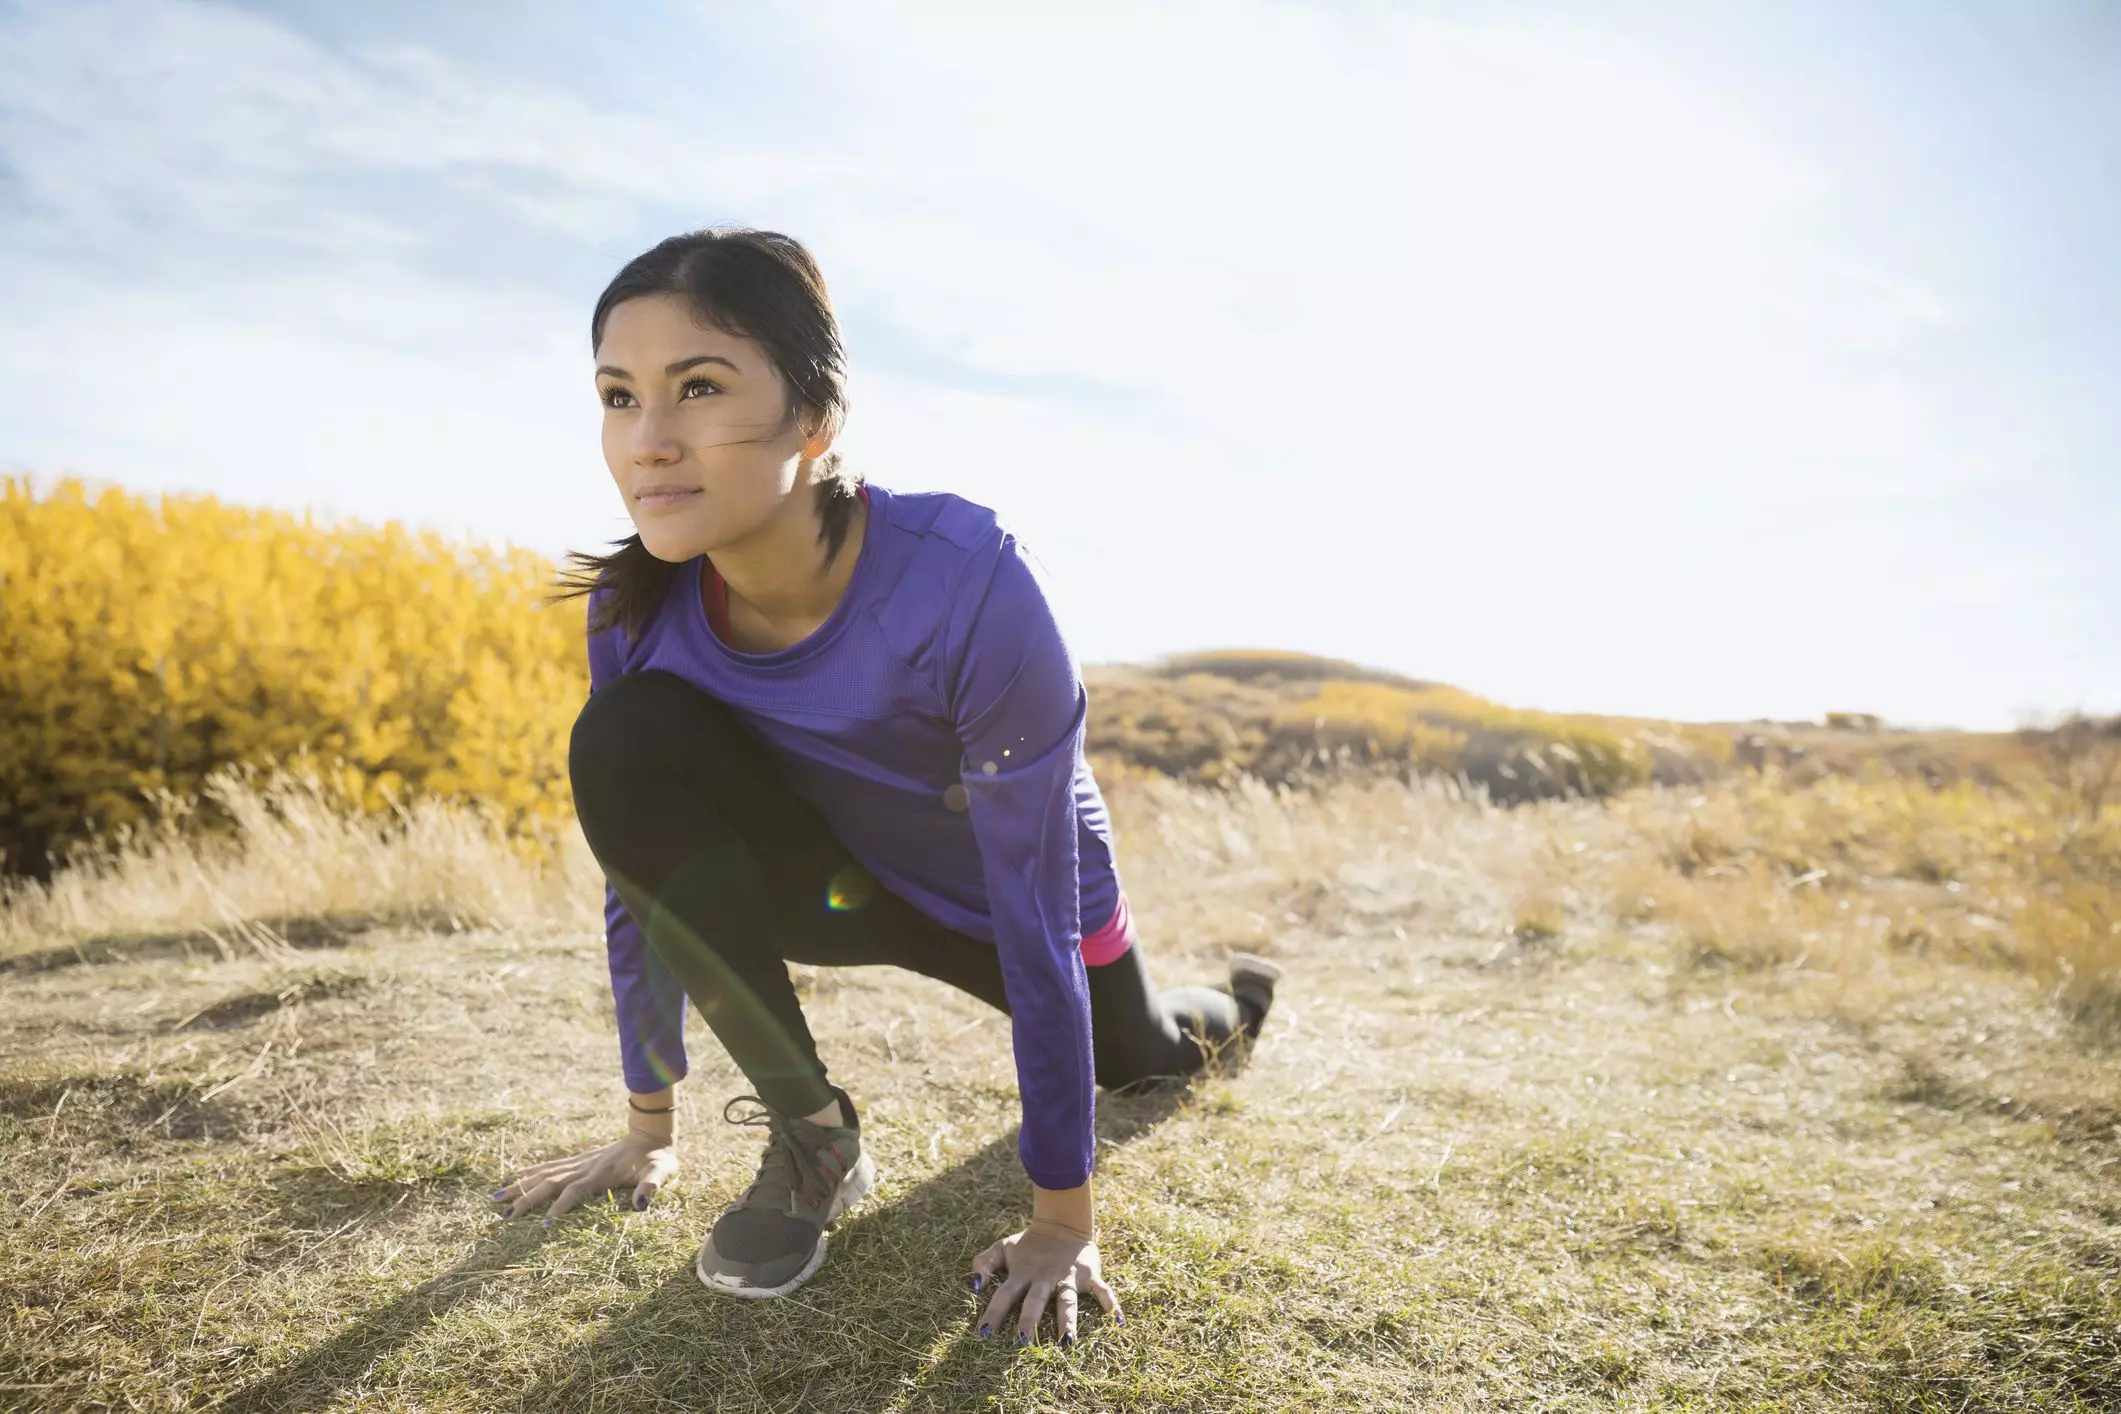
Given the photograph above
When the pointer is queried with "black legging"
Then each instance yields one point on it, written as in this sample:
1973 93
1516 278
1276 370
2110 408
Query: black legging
724 868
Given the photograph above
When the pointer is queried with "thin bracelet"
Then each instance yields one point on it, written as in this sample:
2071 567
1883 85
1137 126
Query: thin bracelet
652 1109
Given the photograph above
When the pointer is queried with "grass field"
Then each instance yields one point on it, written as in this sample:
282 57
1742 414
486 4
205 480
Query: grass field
1632 1106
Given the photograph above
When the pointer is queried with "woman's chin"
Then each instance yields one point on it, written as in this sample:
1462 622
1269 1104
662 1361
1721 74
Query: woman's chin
671 546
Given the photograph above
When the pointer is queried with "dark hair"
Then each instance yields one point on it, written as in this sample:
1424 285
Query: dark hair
759 285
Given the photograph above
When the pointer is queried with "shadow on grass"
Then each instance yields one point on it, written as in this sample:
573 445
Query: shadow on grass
891 1315
79 1107
297 930
247 1007
318 1375
891 1311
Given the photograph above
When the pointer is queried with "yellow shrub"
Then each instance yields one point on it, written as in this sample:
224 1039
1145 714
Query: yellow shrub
145 642
1376 719
1516 753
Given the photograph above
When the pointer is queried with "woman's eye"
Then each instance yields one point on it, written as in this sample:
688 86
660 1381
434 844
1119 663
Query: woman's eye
623 398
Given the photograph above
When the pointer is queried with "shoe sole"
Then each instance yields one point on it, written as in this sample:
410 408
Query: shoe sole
855 1187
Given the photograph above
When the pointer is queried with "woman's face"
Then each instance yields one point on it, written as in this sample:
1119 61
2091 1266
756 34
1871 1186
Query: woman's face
696 430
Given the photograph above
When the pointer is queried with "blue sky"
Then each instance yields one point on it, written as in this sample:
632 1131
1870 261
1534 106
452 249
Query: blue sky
1708 361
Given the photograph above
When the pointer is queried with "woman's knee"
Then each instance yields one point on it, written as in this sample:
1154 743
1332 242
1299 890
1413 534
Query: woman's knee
1150 1047
629 731
1169 1058
1140 1033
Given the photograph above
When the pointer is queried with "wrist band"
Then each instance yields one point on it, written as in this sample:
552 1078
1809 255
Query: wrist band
652 1109
1047 1227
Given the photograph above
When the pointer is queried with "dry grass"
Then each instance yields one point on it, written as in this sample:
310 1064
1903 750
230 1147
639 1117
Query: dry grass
296 860
1846 870
1715 1098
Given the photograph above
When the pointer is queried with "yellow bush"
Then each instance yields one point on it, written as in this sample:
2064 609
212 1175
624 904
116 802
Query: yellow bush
1855 721
145 642
1379 721
1517 753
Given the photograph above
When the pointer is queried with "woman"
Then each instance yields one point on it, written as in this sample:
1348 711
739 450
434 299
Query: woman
833 724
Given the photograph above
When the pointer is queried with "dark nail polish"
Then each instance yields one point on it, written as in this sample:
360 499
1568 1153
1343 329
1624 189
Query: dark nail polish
640 1202
1066 1341
978 1282
1120 1317
985 1330
500 1193
1022 1339
546 1223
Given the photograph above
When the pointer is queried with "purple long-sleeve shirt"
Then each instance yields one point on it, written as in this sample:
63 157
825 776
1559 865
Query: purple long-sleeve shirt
936 721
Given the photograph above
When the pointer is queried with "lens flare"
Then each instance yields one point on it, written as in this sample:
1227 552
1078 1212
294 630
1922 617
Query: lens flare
850 889
665 1071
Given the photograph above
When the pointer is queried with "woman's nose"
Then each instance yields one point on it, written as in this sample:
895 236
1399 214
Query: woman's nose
652 442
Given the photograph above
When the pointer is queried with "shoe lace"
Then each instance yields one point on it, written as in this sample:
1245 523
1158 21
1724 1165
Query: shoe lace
789 1170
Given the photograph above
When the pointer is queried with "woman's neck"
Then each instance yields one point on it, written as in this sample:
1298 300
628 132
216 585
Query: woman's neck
774 587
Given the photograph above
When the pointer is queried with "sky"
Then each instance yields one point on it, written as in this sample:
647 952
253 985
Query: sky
1705 361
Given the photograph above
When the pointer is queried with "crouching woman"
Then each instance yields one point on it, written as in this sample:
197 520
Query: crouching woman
834 724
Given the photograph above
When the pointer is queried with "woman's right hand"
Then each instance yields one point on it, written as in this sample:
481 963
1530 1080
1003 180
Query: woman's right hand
641 1162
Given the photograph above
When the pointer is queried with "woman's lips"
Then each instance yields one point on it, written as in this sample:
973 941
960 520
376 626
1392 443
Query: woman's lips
656 497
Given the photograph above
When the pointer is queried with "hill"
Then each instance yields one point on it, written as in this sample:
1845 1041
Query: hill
1290 717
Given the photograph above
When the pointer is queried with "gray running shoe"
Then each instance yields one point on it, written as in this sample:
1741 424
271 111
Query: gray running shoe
773 1239
1252 980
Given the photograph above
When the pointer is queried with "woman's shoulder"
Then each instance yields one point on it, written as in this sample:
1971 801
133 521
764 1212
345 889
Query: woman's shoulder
617 645
952 551
960 572
945 517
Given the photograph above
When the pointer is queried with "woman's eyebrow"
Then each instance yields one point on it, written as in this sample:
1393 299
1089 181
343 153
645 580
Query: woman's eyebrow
605 370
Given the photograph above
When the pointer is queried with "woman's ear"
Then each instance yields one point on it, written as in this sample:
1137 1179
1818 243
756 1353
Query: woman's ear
818 436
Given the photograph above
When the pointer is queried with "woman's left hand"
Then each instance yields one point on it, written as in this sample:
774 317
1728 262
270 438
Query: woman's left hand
1040 1267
